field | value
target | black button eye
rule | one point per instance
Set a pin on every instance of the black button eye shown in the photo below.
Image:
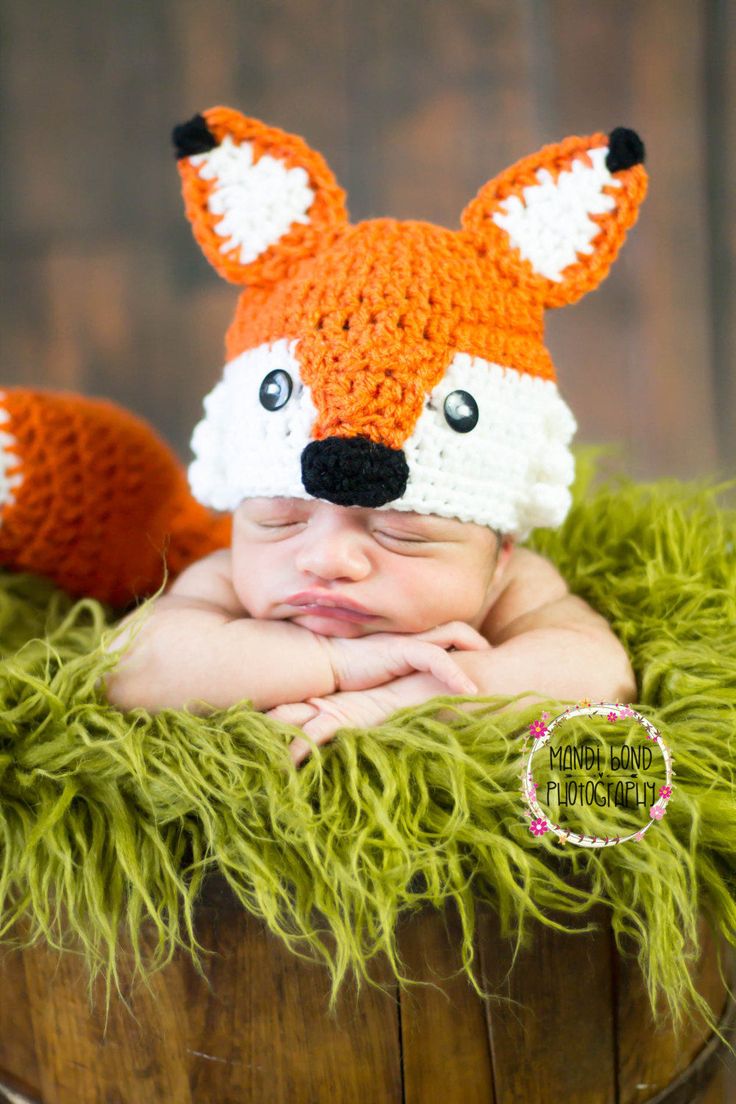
(461, 411)
(276, 390)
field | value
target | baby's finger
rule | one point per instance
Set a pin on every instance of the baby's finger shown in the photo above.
(429, 657)
(455, 634)
(321, 729)
(299, 750)
(294, 713)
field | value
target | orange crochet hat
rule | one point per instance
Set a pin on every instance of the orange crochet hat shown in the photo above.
(396, 364)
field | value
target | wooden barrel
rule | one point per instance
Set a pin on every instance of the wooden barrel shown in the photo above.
(578, 1028)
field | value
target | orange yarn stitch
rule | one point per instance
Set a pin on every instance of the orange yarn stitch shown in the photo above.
(378, 315)
(327, 215)
(380, 305)
(558, 157)
(101, 498)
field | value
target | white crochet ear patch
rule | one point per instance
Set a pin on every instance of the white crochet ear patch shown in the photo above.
(258, 202)
(8, 459)
(552, 225)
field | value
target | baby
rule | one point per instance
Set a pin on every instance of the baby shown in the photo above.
(387, 431)
(326, 616)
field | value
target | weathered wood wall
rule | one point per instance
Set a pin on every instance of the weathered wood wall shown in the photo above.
(415, 105)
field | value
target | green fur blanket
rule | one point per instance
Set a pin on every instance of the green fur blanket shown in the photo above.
(110, 821)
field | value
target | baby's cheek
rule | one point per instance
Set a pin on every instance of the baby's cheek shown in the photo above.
(426, 598)
(248, 584)
(464, 600)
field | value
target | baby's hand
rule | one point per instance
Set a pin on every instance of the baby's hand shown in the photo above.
(320, 718)
(361, 663)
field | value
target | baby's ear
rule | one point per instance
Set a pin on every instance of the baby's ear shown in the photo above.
(506, 547)
(555, 221)
(258, 199)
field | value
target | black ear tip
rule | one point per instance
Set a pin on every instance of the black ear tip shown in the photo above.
(625, 149)
(192, 137)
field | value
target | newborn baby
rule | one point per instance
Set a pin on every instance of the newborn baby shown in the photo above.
(371, 364)
(327, 616)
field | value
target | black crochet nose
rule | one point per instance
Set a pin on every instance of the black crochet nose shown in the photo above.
(354, 471)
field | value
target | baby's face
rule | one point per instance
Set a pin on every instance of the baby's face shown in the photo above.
(409, 571)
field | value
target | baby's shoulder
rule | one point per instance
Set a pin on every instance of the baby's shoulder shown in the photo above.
(529, 581)
(208, 583)
(532, 569)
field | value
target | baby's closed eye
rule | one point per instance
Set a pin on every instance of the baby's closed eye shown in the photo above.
(382, 534)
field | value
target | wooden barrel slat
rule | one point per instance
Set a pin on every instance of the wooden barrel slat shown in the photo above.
(263, 1032)
(581, 1030)
(442, 1021)
(717, 1089)
(650, 1062)
(557, 1042)
(17, 1040)
(79, 1060)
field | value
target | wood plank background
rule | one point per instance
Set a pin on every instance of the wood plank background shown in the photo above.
(415, 105)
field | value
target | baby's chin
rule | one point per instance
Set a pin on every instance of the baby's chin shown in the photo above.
(352, 630)
(324, 625)
(330, 626)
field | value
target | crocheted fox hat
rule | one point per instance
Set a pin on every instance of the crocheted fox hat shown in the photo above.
(396, 364)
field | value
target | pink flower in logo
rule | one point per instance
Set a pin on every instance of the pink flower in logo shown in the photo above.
(612, 717)
(665, 791)
(538, 729)
(656, 812)
(539, 826)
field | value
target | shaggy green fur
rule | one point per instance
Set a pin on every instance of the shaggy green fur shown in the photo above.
(110, 821)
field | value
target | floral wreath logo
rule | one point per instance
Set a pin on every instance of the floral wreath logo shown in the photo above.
(541, 731)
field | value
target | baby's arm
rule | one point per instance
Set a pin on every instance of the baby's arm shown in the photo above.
(544, 639)
(538, 623)
(199, 649)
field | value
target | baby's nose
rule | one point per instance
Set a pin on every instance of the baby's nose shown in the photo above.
(354, 471)
(333, 551)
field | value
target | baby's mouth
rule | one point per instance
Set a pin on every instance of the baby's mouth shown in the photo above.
(338, 613)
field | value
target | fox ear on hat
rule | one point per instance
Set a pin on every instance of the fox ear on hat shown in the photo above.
(555, 221)
(257, 197)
